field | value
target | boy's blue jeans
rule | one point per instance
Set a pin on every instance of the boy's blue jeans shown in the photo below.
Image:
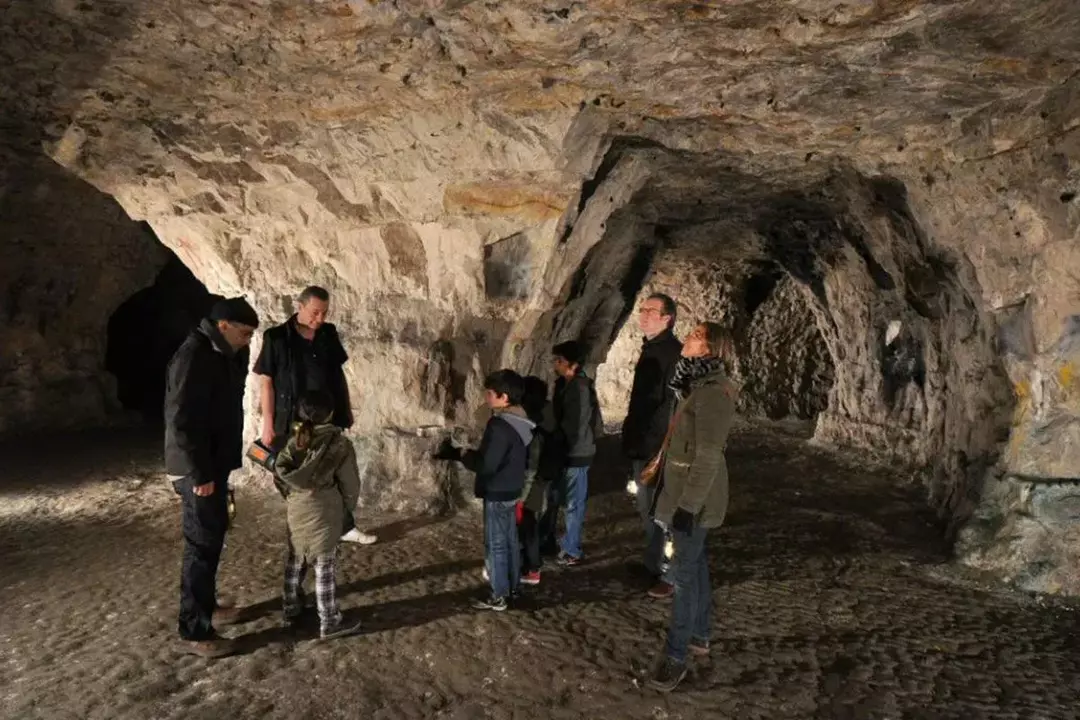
(576, 487)
(502, 557)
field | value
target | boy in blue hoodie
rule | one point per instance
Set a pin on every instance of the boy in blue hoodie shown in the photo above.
(499, 464)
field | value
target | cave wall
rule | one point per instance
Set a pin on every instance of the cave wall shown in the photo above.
(782, 363)
(448, 170)
(69, 255)
(786, 367)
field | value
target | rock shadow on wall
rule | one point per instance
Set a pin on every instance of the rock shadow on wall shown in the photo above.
(407, 255)
(507, 268)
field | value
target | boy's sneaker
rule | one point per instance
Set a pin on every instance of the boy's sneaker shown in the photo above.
(498, 604)
(667, 675)
(357, 536)
(568, 560)
(698, 647)
(531, 578)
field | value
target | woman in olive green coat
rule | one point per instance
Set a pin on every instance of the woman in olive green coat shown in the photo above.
(692, 494)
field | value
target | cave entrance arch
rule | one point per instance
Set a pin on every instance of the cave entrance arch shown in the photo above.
(145, 331)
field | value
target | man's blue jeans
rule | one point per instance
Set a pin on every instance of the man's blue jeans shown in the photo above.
(654, 534)
(576, 487)
(691, 608)
(501, 554)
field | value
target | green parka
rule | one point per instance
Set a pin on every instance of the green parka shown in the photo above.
(323, 480)
(695, 471)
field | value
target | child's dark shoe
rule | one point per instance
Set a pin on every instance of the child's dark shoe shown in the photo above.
(497, 604)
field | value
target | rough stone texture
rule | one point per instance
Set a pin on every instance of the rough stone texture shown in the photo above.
(68, 257)
(907, 162)
(782, 363)
(787, 370)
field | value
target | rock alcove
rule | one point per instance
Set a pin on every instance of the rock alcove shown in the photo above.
(878, 198)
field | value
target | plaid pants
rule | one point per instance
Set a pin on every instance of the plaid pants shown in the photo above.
(325, 588)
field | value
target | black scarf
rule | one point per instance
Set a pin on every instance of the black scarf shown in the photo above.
(688, 370)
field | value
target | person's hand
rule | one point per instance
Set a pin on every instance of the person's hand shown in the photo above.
(204, 490)
(267, 437)
(683, 521)
(447, 451)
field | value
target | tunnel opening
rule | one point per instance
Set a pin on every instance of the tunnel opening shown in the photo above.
(845, 315)
(144, 332)
(70, 256)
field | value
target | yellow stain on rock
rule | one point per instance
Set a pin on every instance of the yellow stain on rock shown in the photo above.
(1022, 390)
(1021, 413)
(1067, 376)
(505, 199)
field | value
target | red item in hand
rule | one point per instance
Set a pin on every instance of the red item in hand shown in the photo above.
(519, 511)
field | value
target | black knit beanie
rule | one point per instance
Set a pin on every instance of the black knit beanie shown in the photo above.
(235, 310)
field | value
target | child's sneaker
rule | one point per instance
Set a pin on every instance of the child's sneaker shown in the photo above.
(568, 560)
(498, 604)
(342, 629)
(531, 578)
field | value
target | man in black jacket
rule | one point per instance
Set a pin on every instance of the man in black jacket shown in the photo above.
(651, 404)
(204, 425)
(304, 354)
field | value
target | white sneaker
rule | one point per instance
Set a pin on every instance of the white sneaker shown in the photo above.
(356, 536)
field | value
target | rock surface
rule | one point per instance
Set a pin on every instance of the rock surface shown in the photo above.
(69, 256)
(475, 180)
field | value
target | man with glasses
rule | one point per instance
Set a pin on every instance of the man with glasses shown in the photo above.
(651, 404)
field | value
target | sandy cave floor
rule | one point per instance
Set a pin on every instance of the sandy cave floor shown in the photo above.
(832, 600)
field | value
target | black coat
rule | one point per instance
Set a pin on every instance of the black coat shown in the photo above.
(204, 407)
(281, 358)
(651, 400)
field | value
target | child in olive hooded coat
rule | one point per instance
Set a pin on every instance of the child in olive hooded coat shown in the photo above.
(319, 472)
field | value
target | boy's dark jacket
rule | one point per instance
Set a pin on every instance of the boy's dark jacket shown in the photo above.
(501, 459)
(578, 422)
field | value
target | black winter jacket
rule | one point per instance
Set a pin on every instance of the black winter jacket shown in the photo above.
(651, 400)
(501, 460)
(204, 407)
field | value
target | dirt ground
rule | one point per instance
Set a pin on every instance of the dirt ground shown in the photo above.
(832, 600)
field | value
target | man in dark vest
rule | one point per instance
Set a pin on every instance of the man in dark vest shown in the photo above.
(204, 433)
(651, 404)
(304, 354)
